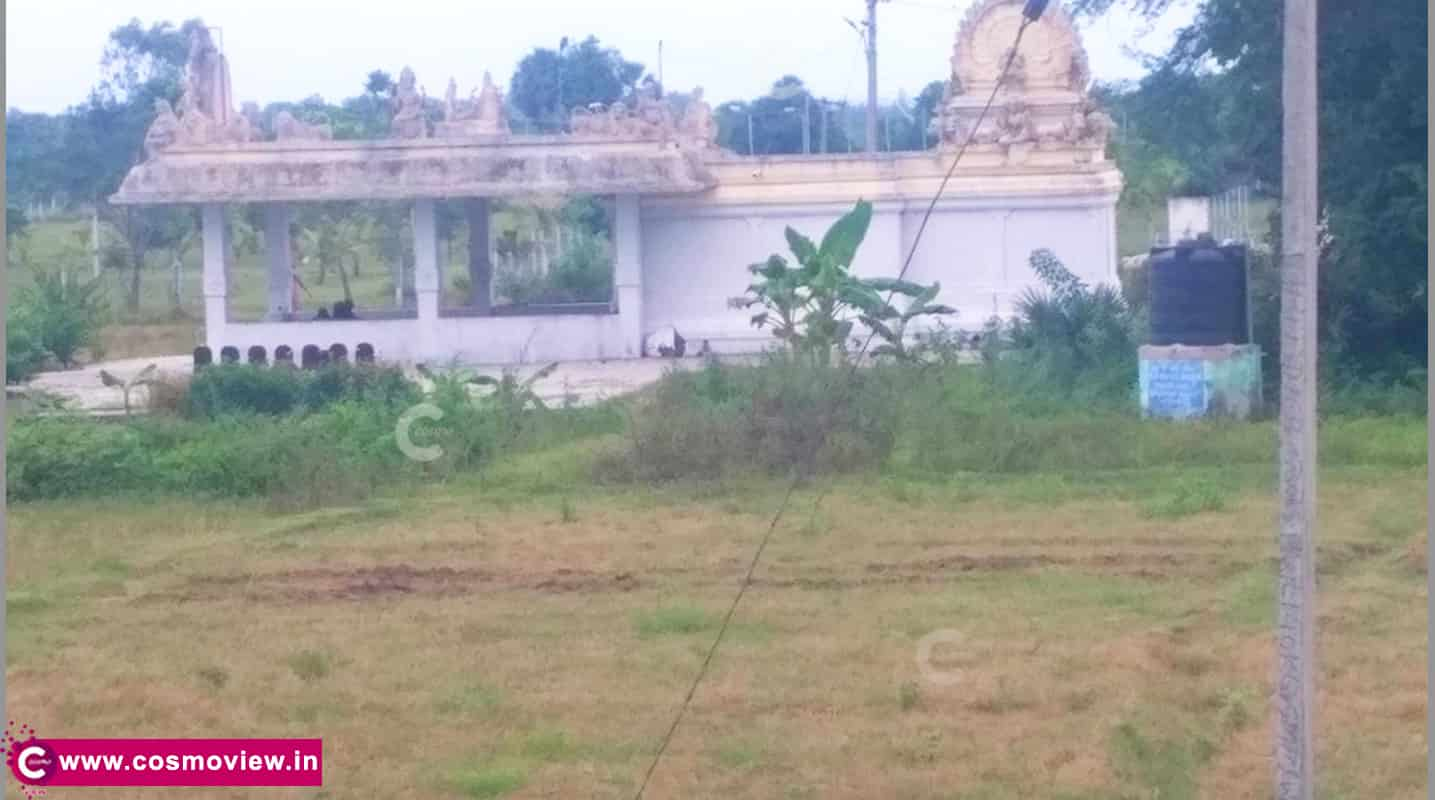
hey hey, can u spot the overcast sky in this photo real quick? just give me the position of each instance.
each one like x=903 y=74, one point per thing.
x=290 y=49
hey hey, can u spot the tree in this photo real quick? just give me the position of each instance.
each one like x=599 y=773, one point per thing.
x=777 y=121
x=104 y=136
x=34 y=157
x=549 y=83
x=1213 y=103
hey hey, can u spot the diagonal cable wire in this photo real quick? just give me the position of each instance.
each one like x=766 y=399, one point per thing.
x=722 y=631
x=792 y=486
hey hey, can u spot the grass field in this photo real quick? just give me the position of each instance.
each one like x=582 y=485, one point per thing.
x=527 y=633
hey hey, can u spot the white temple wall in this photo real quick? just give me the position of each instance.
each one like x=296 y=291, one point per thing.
x=696 y=257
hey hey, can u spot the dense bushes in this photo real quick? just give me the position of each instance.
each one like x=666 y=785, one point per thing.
x=781 y=417
x=299 y=438
x=248 y=389
x=787 y=415
x=55 y=317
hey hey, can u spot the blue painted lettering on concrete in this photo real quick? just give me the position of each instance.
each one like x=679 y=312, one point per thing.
x=1174 y=389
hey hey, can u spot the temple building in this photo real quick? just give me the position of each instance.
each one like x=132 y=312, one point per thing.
x=686 y=216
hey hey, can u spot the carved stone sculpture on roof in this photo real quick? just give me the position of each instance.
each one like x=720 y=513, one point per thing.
x=408 y=121
x=163 y=131
x=481 y=114
x=1042 y=100
x=450 y=102
x=654 y=119
x=1080 y=74
x=1048 y=49
x=1015 y=80
x=1089 y=126
x=207 y=78
x=697 y=123
x=489 y=106
x=1015 y=124
x=196 y=127
x=287 y=127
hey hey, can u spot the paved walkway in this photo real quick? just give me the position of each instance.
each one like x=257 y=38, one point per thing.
x=582 y=382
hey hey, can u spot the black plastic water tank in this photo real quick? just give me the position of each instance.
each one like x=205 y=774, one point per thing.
x=1198 y=294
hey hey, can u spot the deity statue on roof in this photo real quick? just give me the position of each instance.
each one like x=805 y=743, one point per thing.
x=207 y=78
x=697 y=122
x=408 y=121
x=489 y=106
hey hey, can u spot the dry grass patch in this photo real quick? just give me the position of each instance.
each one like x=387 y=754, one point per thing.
x=468 y=644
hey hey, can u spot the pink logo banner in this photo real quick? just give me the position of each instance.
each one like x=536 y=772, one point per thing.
x=168 y=762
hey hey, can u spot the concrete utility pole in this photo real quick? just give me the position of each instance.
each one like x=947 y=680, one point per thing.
x=1295 y=682
x=871 y=76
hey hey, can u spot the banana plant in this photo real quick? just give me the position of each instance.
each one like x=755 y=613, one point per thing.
x=891 y=325
x=813 y=306
x=144 y=377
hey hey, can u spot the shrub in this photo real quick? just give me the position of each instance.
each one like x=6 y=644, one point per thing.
x=787 y=415
x=1069 y=340
x=58 y=457
x=252 y=389
x=66 y=312
x=24 y=352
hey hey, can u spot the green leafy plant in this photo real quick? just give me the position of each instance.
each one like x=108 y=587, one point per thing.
x=1068 y=337
x=68 y=313
x=228 y=389
x=813 y=306
x=891 y=326
x=24 y=352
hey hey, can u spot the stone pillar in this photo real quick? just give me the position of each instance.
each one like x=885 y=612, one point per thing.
x=277 y=217
x=628 y=272
x=216 y=275
x=480 y=264
x=428 y=280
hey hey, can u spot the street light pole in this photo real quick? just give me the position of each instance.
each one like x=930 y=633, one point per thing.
x=871 y=76
x=806 y=124
x=822 y=115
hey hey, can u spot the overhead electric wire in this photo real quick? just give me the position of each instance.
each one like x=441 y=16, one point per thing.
x=1030 y=14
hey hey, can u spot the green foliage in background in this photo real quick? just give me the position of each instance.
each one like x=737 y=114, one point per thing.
x=61 y=314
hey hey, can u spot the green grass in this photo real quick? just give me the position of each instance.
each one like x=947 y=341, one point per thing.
x=1164 y=768
x=482 y=783
x=1188 y=498
x=674 y=620
x=310 y=665
x=471 y=700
